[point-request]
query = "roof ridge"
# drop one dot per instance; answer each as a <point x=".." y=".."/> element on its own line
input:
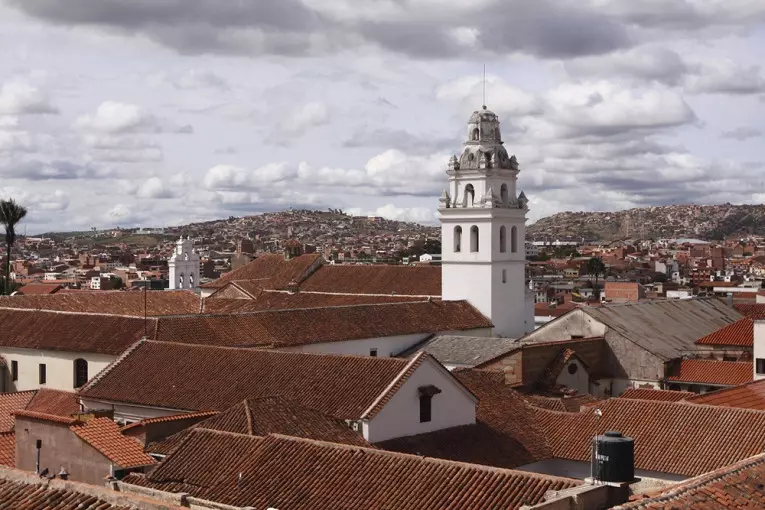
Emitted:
<point x="390" y="453"/>
<point x="70" y="312"/>
<point x="248" y="417"/>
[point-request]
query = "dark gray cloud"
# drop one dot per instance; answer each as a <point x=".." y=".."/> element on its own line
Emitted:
<point x="53" y="170"/>
<point x="741" y="133"/>
<point x="290" y="27"/>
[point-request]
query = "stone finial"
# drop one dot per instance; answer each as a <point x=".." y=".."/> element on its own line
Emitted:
<point x="445" y="200"/>
<point x="513" y="162"/>
<point x="454" y="163"/>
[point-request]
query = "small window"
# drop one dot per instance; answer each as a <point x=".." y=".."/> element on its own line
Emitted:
<point x="15" y="370"/>
<point x="373" y="353"/>
<point x="502" y="239"/>
<point x="573" y="368"/>
<point x="760" y="365"/>
<point x="474" y="238"/>
<point x="80" y="372"/>
<point x="43" y="374"/>
<point x="514" y="239"/>
<point x="729" y="358"/>
<point x="504" y="276"/>
<point x="426" y="404"/>
<point x="457" y="239"/>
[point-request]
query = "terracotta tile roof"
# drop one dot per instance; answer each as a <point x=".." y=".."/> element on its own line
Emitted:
<point x="746" y="396"/>
<point x="282" y="300"/>
<point x="59" y="331"/>
<point x="338" y="476"/>
<point x="269" y="415"/>
<point x="739" y="333"/>
<point x="7" y="450"/>
<point x="164" y="419"/>
<point x="495" y="439"/>
<point x="571" y="404"/>
<point x="735" y="487"/>
<point x="64" y="420"/>
<point x="283" y="328"/>
<point x="705" y="371"/>
<point x="10" y="402"/>
<point x="750" y="309"/>
<point x="376" y="279"/>
<point x="545" y="309"/>
<point x="341" y="386"/>
<point x="660" y="395"/>
<point x="670" y="437"/>
<point x="110" y="302"/>
<point x="104" y="435"/>
<point x="273" y="271"/>
<point x="61" y="403"/>
<point x="556" y="366"/>
<point x="40" y="288"/>
<point x="20" y="490"/>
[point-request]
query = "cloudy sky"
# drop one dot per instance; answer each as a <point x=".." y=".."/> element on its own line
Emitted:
<point x="159" y="112"/>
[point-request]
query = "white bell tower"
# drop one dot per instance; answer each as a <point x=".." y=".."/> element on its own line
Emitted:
<point x="483" y="230"/>
<point x="184" y="266"/>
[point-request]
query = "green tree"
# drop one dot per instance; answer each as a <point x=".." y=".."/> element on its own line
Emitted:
<point x="596" y="266"/>
<point x="11" y="214"/>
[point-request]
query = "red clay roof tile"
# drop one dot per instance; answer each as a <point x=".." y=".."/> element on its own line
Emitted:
<point x="61" y="403"/>
<point x="750" y="309"/>
<point x="341" y="386"/>
<point x="104" y="435"/>
<point x="274" y="271"/>
<point x="164" y="419"/>
<point x="64" y="420"/>
<point x="660" y="395"/>
<point x="283" y="300"/>
<point x="10" y="402"/>
<point x="706" y="371"/>
<point x="375" y="279"/>
<point x="746" y="396"/>
<point x="7" y="452"/>
<point x="110" y="302"/>
<point x="337" y="476"/>
<point x="739" y="333"/>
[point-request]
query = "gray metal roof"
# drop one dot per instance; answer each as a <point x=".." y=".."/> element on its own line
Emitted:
<point x="665" y="328"/>
<point x="467" y="351"/>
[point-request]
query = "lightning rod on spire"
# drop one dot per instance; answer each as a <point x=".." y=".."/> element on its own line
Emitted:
<point x="484" y="86"/>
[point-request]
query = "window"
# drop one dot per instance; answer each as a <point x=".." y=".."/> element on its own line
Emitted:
<point x="514" y="239"/>
<point x="15" y="370"/>
<point x="191" y="280"/>
<point x="80" y="372"/>
<point x="373" y="353"/>
<point x="502" y="239"/>
<point x="426" y="394"/>
<point x="180" y="281"/>
<point x="760" y="366"/>
<point x="457" y="239"/>
<point x="729" y="358"/>
<point x="573" y="368"/>
<point x="43" y="375"/>
<point x="474" y="238"/>
<point x="503" y="193"/>
<point x="504" y="276"/>
<point x="469" y="195"/>
<point x="475" y="134"/>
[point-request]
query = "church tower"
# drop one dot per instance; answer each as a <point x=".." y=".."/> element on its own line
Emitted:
<point x="184" y="266"/>
<point x="483" y="230"/>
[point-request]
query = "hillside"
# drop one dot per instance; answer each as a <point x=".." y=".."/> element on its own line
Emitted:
<point x="671" y="221"/>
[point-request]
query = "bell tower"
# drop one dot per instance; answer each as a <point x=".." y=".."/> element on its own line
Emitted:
<point x="183" y="266"/>
<point x="483" y="230"/>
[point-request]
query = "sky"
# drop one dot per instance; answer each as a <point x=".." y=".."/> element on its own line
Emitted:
<point x="164" y="112"/>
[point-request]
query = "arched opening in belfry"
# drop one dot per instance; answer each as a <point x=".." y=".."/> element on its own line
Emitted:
<point x="503" y="195"/>
<point x="469" y="195"/>
<point x="496" y="134"/>
<point x="180" y="281"/>
<point x="502" y="239"/>
<point x="474" y="238"/>
<point x="191" y="280"/>
<point x="457" y="238"/>
<point x="474" y="135"/>
<point x="514" y="240"/>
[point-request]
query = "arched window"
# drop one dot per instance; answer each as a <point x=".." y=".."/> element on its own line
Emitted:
<point x="469" y="195"/>
<point x="473" y="238"/>
<point x="514" y="240"/>
<point x="180" y="281"/>
<point x="503" y="193"/>
<point x="502" y="239"/>
<point x="80" y="372"/>
<point x="474" y="135"/>
<point x="504" y="276"/>
<point x="457" y="238"/>
<point x="191" y="281"/>
<point x="496" y="134"/>
<point x="186" y="256"/>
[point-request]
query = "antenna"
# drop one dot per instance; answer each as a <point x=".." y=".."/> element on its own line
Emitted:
<point x="484" y="86"/>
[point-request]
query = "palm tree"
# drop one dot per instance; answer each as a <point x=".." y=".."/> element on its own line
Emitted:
<point x="595" y="265"/>
<point x="11" y="214"/>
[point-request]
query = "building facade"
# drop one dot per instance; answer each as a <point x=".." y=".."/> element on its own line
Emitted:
<point x="483" y="230"/>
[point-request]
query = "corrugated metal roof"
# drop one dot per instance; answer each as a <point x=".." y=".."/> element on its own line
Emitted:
<point x="665" y="328"/>
<point x="468" y="351"/>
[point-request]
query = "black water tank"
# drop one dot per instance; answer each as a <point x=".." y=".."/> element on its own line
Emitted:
<point x="613" y="457"/>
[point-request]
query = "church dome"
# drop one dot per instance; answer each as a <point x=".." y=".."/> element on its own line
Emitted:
<point x="483" y="115"/>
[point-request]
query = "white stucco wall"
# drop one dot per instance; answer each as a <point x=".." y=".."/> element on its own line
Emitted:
<point x="581" y="470"/>
<point x="759" y="346"/>
<point x="580" y="380"/>
<point x="401" y="415"/>
<point x="59" y="367"/>
<point x="128" y="413"/>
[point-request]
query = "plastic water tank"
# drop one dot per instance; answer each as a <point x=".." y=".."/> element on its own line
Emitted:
<point x="613" y="457"/>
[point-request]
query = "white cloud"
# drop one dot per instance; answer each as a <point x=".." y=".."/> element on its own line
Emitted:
<point x="299" y="121"/>
<point x="154" y="188"/>
<point x="36" y="202"/>
<point x="502" y="98"/>
<point x="18" y="97"/>
<point x="113" y="117"/>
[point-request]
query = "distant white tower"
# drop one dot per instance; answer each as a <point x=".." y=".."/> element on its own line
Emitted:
<point x="483" y="230"/>
<point x="184" y="265"/>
